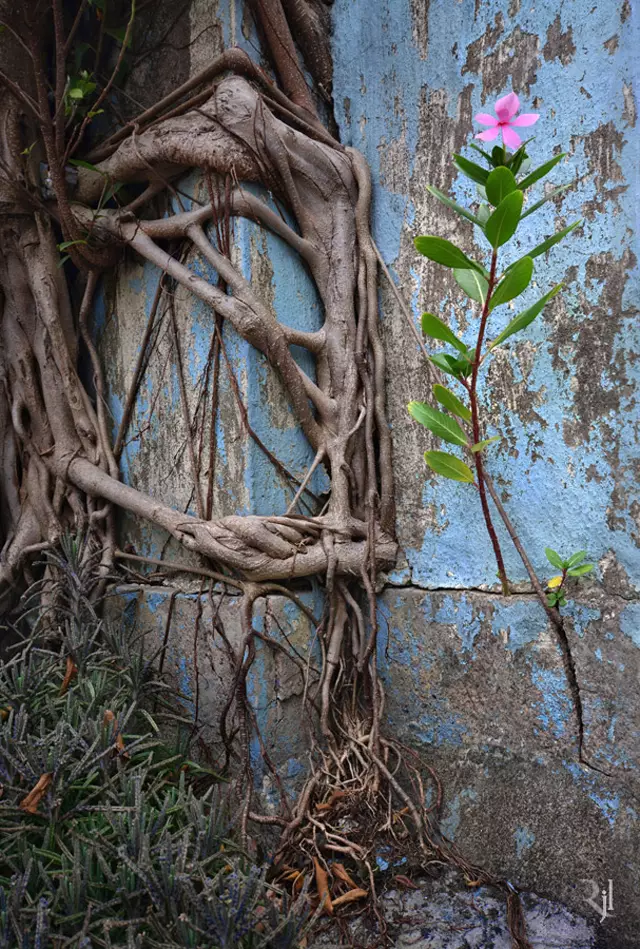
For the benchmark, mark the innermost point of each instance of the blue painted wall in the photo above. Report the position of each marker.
(477, 680)
(409, 78)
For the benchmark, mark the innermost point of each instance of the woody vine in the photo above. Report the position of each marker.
(59, 463)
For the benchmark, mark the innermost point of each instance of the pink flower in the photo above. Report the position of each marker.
(506, 109)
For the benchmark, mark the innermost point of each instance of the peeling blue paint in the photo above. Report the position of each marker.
(523, 622)
(453, 815)
(524, 839)
(555, 711)
(380, 93)
(630, 622)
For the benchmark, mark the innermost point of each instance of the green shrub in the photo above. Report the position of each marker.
(109, 835)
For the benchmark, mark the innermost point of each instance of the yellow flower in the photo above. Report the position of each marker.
(554, 583)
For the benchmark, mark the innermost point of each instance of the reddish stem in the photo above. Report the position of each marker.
(475, 421)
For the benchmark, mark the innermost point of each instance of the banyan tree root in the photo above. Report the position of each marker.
(59, 467)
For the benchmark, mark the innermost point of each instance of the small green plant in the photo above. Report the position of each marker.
(574, 566)
(502, 184)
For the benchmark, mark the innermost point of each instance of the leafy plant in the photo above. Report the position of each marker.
(502, 185)
(574, 566)
(110, 835)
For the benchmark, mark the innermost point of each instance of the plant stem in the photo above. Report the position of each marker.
(475, 421)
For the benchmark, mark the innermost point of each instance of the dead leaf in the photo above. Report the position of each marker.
(339, 871)
(322, 883)
(332, 800)
(32, 800)
(351, 896)
(108, 719)
(70, 673)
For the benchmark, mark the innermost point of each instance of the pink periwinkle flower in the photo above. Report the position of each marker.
(504, 121)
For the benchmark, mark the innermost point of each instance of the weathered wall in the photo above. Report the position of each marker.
(475, 679)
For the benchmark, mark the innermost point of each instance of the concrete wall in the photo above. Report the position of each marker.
(475, 679)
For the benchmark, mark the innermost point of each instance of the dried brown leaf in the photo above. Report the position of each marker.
(32, 800)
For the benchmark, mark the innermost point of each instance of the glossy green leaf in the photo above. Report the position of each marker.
(554, 239)
(540, 172)
(436, 329)
(554, 558)
(473, 284)
(576, 558)
(481, 151)
(515, 280)
(526, 317)
(517, 159)
(448, 466)
(451, 402)
(502, 224)
(469, 168)
(483, 444)
(437, 422)
(548, 197)
(498, 156)
(455, 367)
(581, 570)
(443, 252)
(453, 205)
(552, 599)
(500, 183)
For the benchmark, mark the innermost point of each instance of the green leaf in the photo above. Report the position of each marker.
(455, 367)
(453, 205)
(500, 183)
(498, 156)
(517, 159)
(65, 244)
(549, 197)
(581, 570)
(540, 172)
(469, 168)
(84, 164)
(502, 224)
(554, 558)
(562, 601)
(515, 280)
(437, 422)
(481, 152)
(451, 402)
(436, 329)
(526, 317)
(444, 252)
(576, 558)
(484, 213)
(483, 444)
(448, 466)
(473, 284)
(552, 599)
(554, 239)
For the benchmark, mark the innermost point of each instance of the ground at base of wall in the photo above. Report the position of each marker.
(444, 914)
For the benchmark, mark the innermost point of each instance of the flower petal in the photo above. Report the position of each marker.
(490, 134)
(507, 106)
(510, 138)
(485, 118)
(527, 118)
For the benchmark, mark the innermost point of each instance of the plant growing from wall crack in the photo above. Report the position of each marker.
(502, 184)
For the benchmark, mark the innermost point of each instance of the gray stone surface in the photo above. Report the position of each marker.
(443, 914)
